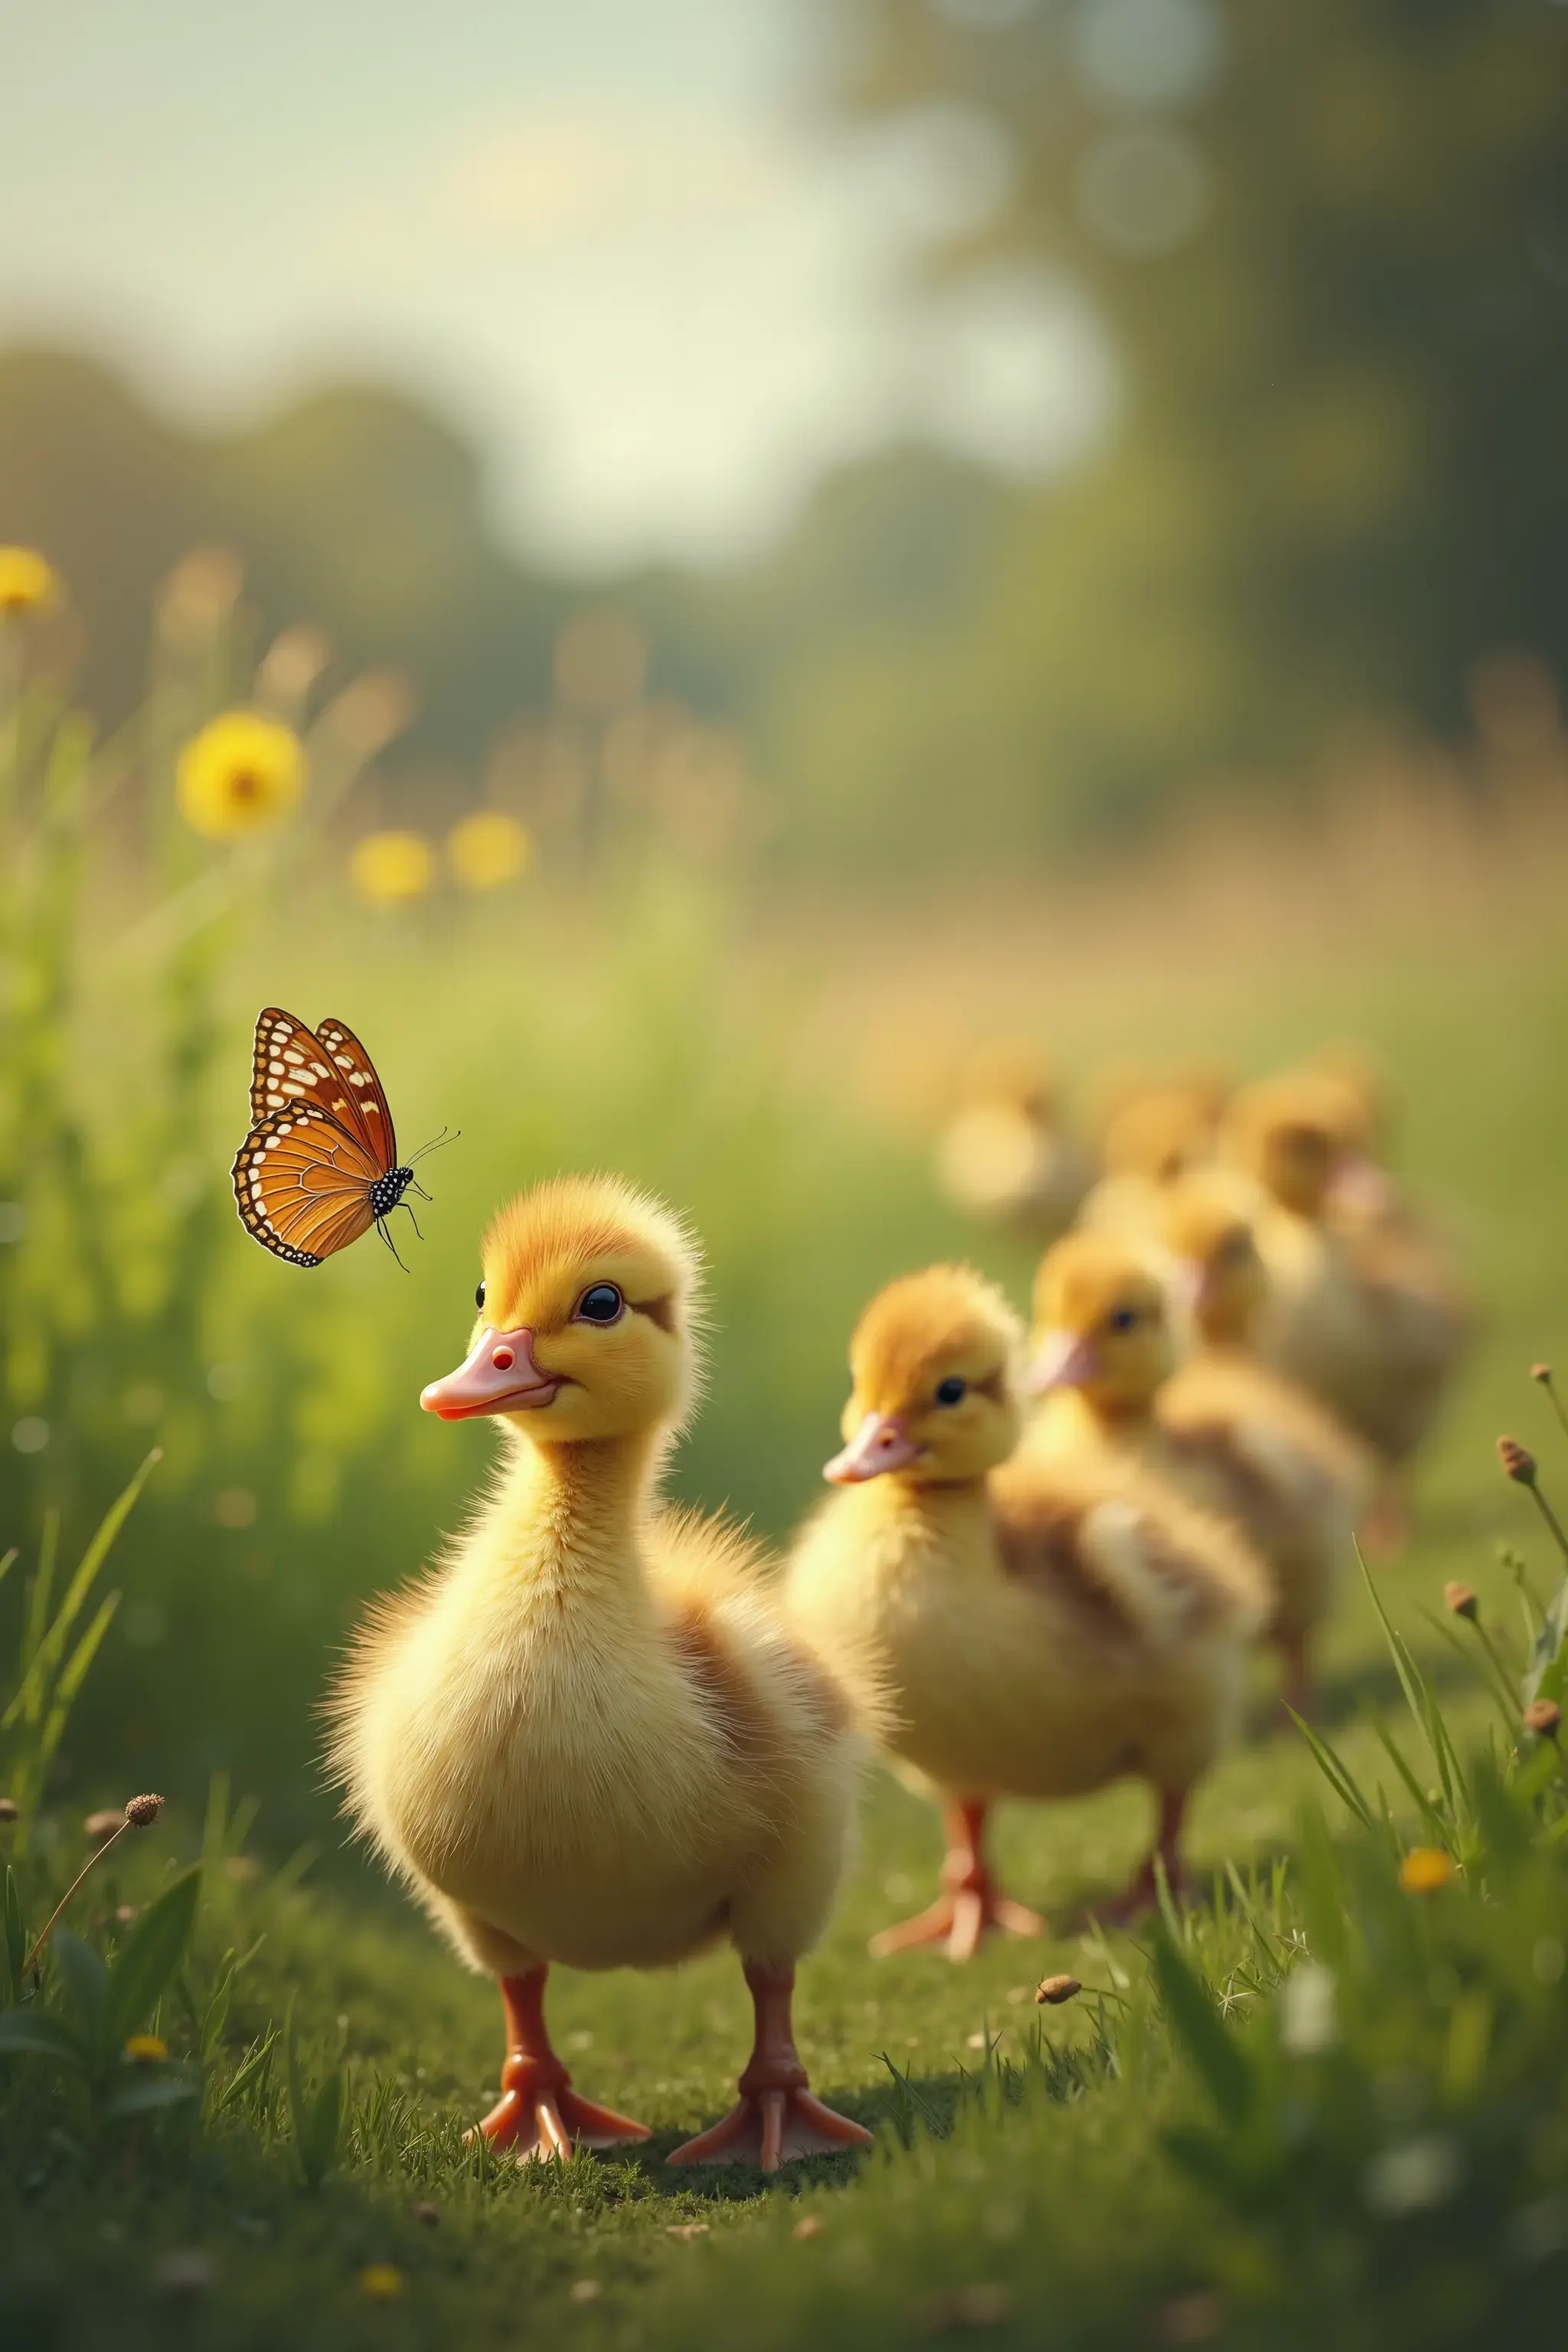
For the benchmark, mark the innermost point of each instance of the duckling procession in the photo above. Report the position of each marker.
(606, 1733)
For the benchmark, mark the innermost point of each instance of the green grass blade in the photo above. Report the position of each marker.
(1214, 2053)
(152, 1954)
(1441, 1829)
(28, 1702)
(1336, 1772)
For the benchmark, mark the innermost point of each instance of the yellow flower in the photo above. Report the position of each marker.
(387, 867)
(486, 849)
(243, 774)
(382, 2281)
(1425, 1869)
(146, 2049)
(27, 582)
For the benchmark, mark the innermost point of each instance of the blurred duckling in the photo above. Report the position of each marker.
(1294, 1477)
(1004, 1155)
(1369, 1310)
(592, 1735)
(1032, 1631)
(1152, 1136)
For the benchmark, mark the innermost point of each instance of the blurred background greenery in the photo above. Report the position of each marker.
(1216, 719)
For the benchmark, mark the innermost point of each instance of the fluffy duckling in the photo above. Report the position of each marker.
(591, 1735)
(1294, 1477)
(1032, 1631)
(1368, 1315)
(1006, 1155)
(1154, 1135)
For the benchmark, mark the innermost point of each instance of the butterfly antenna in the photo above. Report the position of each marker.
(438, 1144)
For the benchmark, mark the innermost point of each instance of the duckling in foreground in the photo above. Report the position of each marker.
(1298, 1480)
(1030, 1630)
(1232, 1437)
(591, 1734)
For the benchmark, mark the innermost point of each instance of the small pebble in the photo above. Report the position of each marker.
(1056, 1988)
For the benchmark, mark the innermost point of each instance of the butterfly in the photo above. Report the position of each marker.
(320, 1165)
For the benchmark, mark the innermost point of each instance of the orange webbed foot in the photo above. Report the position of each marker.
(539, 2118)
(770, 2127)
(959, 1921)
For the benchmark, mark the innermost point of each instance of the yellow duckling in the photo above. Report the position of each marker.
(1152, 1136)
(1005, 1154)
(1369, 1313)
(591, 1735)
(1031, 1631)
(1294, 1477)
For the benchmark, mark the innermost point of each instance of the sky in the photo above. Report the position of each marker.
(619, 242)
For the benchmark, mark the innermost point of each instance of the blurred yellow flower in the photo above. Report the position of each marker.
(28, 583)
(146, 2049)
(243, 774)
(382, 2281)
(1425, 1869)
(388, 867)
(487, 849)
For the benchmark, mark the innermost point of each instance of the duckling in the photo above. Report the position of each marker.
(1155, 1134)
(1032, 1631)
(1005, 1154)
(1370, 1314)
(592, 1735)
(1294, 1477)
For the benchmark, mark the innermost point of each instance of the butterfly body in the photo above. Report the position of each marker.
(320, 1165)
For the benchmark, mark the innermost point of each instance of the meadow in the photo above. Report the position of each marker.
(1187, 2151)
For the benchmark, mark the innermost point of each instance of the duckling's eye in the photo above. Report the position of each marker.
(601, 1303)
(479, 1296)
(1123, 1319)
(953, 1391)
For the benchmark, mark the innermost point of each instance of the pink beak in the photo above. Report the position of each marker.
(498, 1376)
(881, 1442)
(1062, 1361)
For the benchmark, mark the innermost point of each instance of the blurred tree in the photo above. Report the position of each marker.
(1332, 246)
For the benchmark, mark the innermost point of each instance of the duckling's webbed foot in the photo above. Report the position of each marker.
(776, 2120)
(1143, 1895)
(970, 1901)
(538, 2115)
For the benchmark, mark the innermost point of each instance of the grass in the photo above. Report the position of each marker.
(1039, 2176)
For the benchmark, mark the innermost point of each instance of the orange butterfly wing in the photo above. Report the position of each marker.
(357, 1073)
(293, 1069)
(303, 1184)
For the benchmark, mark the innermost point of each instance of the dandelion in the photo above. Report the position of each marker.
(146, 2049)
(28, 583)
(381, 2283)
(389, 868)
(243, 774)
(487, 849)
(1425, 1869)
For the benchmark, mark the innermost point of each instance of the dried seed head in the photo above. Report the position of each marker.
(8, 1808)
(101, 1827)
(1518, 1462)
(1055, 1989)
(1542, 1716)
(1542, 1372)
(427, 2212)
(1460, 1601)
(142, 1812)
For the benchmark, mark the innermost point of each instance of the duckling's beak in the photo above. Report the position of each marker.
(1362, 1188)
(1061, 1360)
(498, 1376)
(881, 1442)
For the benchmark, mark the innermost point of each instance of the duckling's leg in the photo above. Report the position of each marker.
(776, 2120)
(539, 2113)
(1144, 1891)
(1298, 1690)
(969, 1902)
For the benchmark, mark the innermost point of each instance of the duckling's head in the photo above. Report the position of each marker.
(1101, 1325)
(933, 1364)
(1289, 1134)
(1210, 1235)
(587, 1306)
